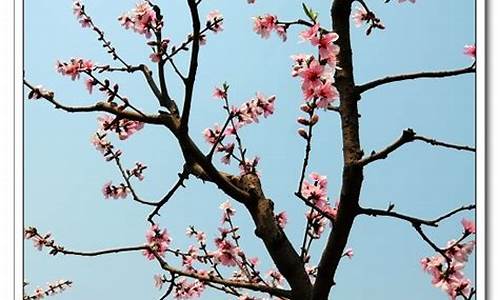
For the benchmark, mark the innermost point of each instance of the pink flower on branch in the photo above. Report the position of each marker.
(214, 21)
(265, 24)
(470, 50)
(360, 16)
(158, 241)
(183, 289)
(469, 226)
(74, 67)
(226, 253)
(115, 192)
(142, 19)
(282, 219)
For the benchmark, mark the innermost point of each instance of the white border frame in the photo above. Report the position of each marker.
(9, 203)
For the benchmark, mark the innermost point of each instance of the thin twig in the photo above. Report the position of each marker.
(437, 74)
(408, 136)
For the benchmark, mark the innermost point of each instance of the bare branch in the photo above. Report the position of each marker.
(408, 136)
(180, 182)
(193, 64)
(161, 119)
(413, 220)
(437, 74)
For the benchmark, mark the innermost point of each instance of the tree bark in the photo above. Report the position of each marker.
(352, 177)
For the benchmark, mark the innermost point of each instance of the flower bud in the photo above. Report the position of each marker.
(305, 108)
(314, 119)
(303, 121)
(303, 133)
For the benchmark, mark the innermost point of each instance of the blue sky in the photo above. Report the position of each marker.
(64, 174)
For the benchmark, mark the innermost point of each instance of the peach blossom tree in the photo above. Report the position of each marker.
(328, 85)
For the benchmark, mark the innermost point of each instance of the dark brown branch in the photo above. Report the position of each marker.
(193, 65)
(148, 75)
(437, 74)
(230, 283)
(180, 182)
(161, 119)
(301, 22)
(103, 252)
(408, 136)
(413, 220)
(352, 176)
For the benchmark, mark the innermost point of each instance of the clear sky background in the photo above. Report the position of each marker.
(64, 174)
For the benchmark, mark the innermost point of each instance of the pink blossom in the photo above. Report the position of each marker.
(326, 93)
(359, 16)
(100, 143)
(158, 241)
(228, 149)
(282, 219)
(317, 190)
(158, 280)
(142, 19)
(214, 21)
(227, 211)
(74, 67)
(115, 192)
(310, 33)
(226, 253)
(264, 25)
(277, 279)
(470, 50)
(89, 84)
(349, 253)
(190, 257)
(137, 170)
(155, 57)
(317, 224)
(212, 135)
(77, 8)
(187, 290)
(281, 32)
(220, 93)
(126, 128)
(85, 22)
(469, 226)
(249, 166)
(459, 252)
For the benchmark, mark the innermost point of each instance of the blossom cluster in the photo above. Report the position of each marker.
(446, 268)
(39, 241)
(185, 289)
(82, 17)
(316, 192)
(360, 15)
(214, 21)
(39, 92)
(265, 24)
(248, 113)
(51, 289)
(142, 19)
(74, 67)
(157, 240)
(137, 170)
(317, 74)
(111, 191)
(124, 128)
